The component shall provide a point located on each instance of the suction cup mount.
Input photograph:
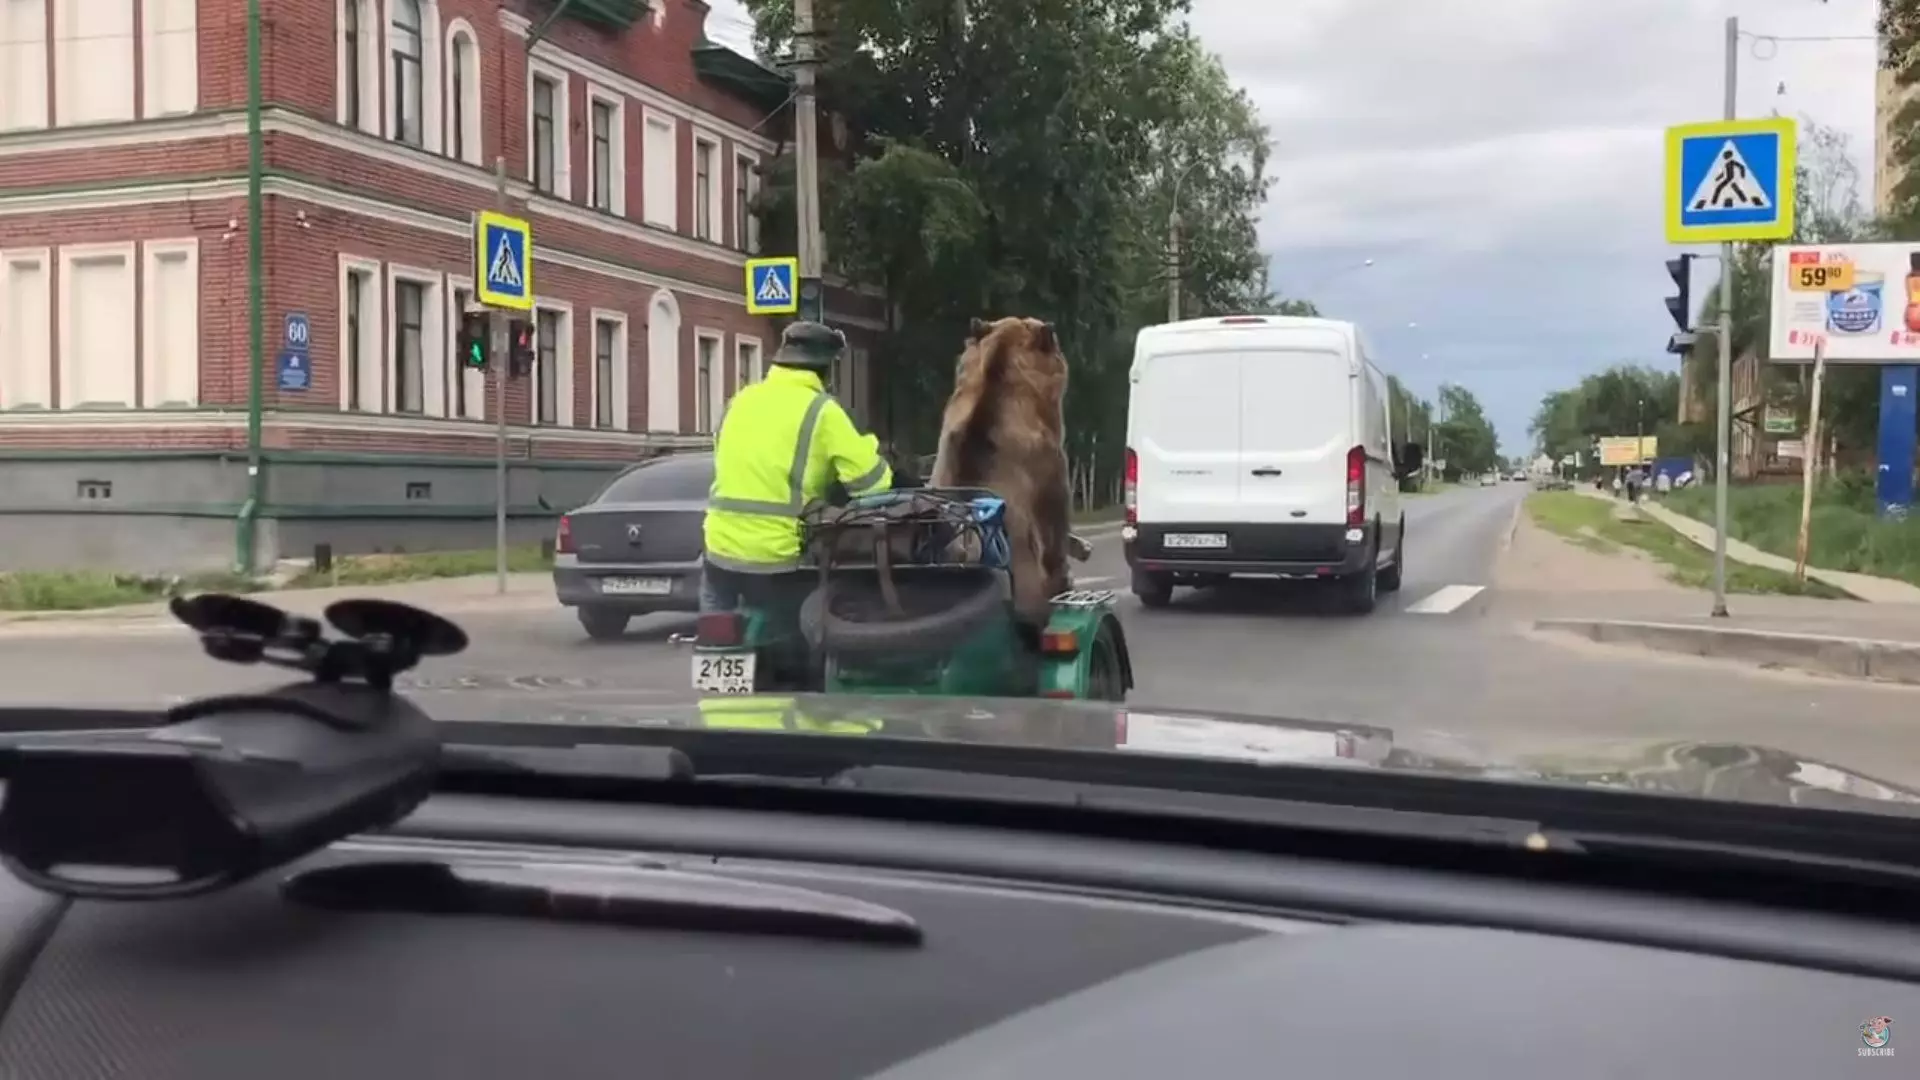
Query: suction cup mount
(384, 638)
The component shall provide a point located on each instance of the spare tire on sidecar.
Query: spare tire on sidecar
(915, 596)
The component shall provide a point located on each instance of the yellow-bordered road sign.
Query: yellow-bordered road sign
(773, 286)
(503, 261)
(1730, 181)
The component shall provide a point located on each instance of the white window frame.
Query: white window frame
(149, 41)
(741, 376)
(622, 369)
(716, 402)
(750, 162)
(27, 62)
(475, 381)
(71, 254)
(562, 129)
(616, 150)
(372, 34)
(151, 254)
(376, 309)
(717, 190)
(563, 357)
(433, 320)
(430, 76)
(470, 136)
(41, 257)
(670, 220)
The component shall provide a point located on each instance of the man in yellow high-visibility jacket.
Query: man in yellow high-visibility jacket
(783, 442)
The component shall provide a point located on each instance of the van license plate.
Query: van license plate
(636, 586)
(1195, 540)
(730, 673)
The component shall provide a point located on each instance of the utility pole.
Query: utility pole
(497, 351)
(1173, 250)
(806, 142)
(1723, 413)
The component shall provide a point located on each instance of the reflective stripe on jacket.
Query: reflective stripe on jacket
(783, 441)
(775, 714)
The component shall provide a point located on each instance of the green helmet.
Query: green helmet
(811, 345)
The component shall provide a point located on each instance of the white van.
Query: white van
(1262, 445)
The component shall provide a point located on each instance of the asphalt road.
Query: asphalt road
(1441, 656)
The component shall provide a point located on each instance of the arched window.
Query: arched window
(463, 96)
(407, 83)
(358, 80)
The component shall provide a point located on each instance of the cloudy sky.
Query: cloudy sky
(1500, 163)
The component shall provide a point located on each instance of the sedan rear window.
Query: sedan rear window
(669, 479)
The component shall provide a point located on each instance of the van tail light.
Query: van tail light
(1131, 492)
(563, 536)
(722, 628)
(1356, 487)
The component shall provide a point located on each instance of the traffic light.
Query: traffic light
(519, 348)
(472, 339)
(1680, 306)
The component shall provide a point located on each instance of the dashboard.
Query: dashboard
(1037, 956)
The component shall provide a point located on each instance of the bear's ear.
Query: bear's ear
(979, 328)
(1043, 337)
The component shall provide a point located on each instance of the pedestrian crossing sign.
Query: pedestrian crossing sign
(503, 261)
(773, 286)
(1730, 181)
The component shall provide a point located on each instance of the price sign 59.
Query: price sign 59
(1820, 276)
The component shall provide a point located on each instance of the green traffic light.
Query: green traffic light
(476, 356)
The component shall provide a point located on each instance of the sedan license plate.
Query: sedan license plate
(723, 673)
(636, 586)
(1195, 540)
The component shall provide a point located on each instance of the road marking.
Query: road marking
(1445, 600)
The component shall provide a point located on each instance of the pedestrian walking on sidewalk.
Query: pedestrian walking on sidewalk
(1633, 485)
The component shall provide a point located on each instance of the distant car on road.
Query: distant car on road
(635, 548)
(1489, 479)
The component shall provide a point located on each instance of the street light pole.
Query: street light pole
(1723, 412)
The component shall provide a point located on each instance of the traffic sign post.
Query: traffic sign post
(503, 281)
(773, 286)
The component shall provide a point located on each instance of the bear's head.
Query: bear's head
(1014, 356)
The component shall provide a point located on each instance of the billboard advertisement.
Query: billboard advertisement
(1864, 299)
(1619, 450)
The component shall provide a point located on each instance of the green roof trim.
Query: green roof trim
(741, 74)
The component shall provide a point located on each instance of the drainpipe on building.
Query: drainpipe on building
(247, 525)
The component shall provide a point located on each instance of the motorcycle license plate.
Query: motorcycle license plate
(723, 673)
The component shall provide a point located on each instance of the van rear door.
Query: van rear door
(1184, 429)
(1297, 425)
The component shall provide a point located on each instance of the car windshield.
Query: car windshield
(1272, 382)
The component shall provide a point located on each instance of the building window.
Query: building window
(170, 73)
(407, 86)
(23, 69)
(746, 362)
(706, 360)
(742, 201)
(703, 189)
(544, 93)
(606, 337)
(359, 287)
(546, 346)
(352, 39)
(93, 60)
(660, 159)
(463, 98)
(602, 156)
(409, 328)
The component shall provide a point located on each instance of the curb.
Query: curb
(1820, 654)
(112, 621)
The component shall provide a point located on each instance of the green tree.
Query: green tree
(1022, 157)
(1465, 440)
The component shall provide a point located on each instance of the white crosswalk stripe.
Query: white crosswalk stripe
(1445, 600)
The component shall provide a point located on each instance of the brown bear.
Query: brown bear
(1004, 430)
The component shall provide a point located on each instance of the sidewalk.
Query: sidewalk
(525, 592)
(1623, 598)
(1873, 590)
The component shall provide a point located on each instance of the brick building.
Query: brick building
(128, 300)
